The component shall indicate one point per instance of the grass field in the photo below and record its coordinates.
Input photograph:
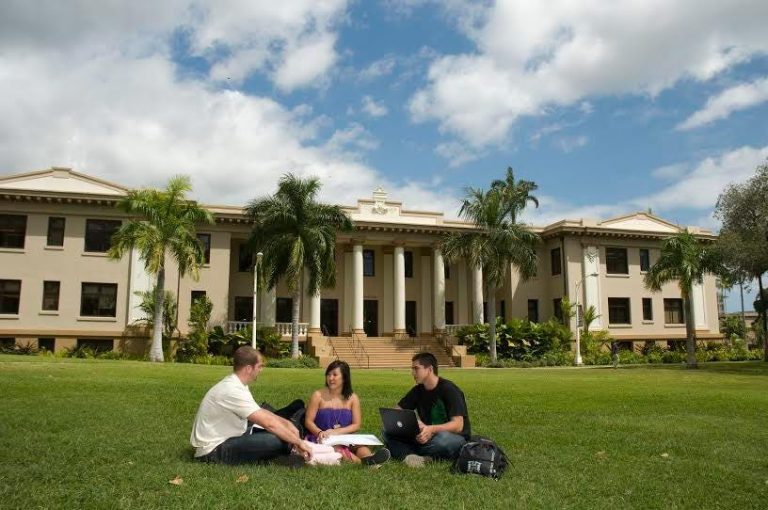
(111, 434)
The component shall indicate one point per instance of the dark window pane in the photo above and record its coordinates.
(7, 343)
(645, 259)
(98, 234)
(205, 242)
(556, 261)
(195, 295)
(369, 263)
(408, 259)
(98, 300)
(244, 258)
(49, 344)
(10, 295)
(503, 310)
(244, 308)
(618, 311)
(673, 311)
(56, 228)
(50, 296)
(13, 229)
(616, 261)
(447, 271)
(533, 310)
(647, 309)
(96, 344)
(284, 310)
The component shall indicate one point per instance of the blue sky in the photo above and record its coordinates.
(611, 107)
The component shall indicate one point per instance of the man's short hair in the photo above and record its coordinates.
(245, 356)
(426, 359)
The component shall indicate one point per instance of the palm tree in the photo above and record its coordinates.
(498, 242)
(516, 194)
(297, 234)
(165, 223)
(686, 260)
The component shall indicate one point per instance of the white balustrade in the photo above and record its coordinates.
(451, 329)
(284, 328)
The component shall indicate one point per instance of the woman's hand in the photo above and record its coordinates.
(323, 435)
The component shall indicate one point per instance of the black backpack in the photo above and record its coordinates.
(481, 456)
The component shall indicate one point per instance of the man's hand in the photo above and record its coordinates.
(302, 449)
(425, 433)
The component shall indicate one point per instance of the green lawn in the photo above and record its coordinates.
(111, 434)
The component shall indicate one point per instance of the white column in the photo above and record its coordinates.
(314, 314)
(462, 294)
(425, 312)
(399, 285)
(268, 300)
(438, 284)
(592, 283)
(357, 288)
(477, 295)
(699, 309)
(348, 293)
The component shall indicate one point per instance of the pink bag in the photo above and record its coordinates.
(323, 455)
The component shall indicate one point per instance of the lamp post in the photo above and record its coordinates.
(255, 297)
(579, 318)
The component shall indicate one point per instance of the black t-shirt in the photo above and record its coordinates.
(439, 405)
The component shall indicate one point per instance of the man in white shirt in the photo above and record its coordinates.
(221, 432)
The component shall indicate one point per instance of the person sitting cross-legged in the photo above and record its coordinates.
(443, 418)
(222, 432)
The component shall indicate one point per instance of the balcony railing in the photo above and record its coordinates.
(283, 328)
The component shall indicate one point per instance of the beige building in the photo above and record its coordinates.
(58, 289)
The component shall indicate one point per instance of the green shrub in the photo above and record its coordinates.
(26, 349)
(82, 352)
(673, 356)
(627, 357)
(300, 362)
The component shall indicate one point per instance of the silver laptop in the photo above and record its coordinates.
(400, 423)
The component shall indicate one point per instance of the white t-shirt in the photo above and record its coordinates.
(223, 413)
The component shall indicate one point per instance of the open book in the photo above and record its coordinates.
(353, 439)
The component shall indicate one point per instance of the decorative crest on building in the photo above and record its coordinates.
(379, 201)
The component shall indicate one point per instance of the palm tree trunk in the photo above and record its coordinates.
(765, 318)
(690, 333)
(295, 323)
(492, 320)
(156, 351)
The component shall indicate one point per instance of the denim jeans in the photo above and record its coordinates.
(257, 446)
(443, 445)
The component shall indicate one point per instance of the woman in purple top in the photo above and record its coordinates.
(335, 410)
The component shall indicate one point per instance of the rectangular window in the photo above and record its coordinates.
(98, 234)
(647, 309)
(13, 229)
(50, 296)
(244, 308)
(447, 271)
(558, 309)
(205, 243)
(503, 310)
(533, 310)
(195, 295)
(645, 260)
(7, 343)
(408, 263)
(56, 228)
(449, 312)
(244, 258)
(10, 295)
(369, 263)
(618, 311)
(556, 261)
(284, 309)
(673, 311)
(49, 344)
(98, 300)
(96, 344)
(616, 261)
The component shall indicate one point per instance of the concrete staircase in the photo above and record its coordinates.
(386, 352)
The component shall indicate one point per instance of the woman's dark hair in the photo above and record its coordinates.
(346, 386)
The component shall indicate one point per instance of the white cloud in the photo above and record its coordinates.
(571, 143)
(97, 91)
(669, 172)
(306, 61)
(456, 154)
(373, 108)
(739, 97)
(377, 69)
(532, 55)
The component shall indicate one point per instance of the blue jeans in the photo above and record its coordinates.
(443, 445)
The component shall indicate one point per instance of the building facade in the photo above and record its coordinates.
(59, 290)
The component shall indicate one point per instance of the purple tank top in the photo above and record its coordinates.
(327, 417)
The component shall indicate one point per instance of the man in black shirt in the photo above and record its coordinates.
(443, 419)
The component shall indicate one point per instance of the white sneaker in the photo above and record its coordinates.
(416, 461)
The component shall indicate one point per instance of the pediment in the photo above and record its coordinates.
(641, 221)
(61, 180)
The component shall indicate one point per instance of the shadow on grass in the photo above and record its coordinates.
(759, 368)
